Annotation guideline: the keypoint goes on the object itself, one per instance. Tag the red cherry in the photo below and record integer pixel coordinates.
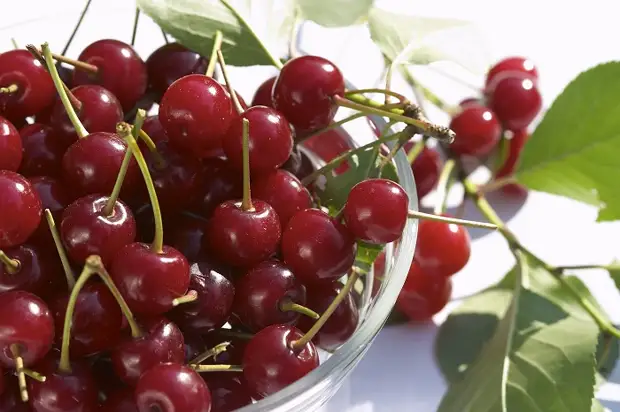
(284, 192)
(10, 399)
(299, 164)
(423, 294)
(443, 249)
(21, 209)
(477, 131)
(228, 393)
(516, 101)
(511, 65)
(220, 184)
(169, 63)
(515, 147)
(121, 400)
(185, 233)
(54, 196)
(262, 96)
(39, 271)
(425, 168)
(172, 387)
(329, 145)
(10, 146)
(316, 247)
(43, 151)
(271, 364)
(242, 102)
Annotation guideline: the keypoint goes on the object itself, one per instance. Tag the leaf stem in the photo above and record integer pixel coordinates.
(231, 91)
(64, 260)
(11, 266)
(443, 185)
(134, 32)
(76, 28)
(289, 306)
(462, 222)
(217, 45)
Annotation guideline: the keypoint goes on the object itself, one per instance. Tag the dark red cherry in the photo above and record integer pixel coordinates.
(10, 400)
(34, 89)
(54, 196)
(169, 63)
(516, 100)
(510, 65)
(299, 164)
(423, 294)
(425, 168)
(39, 271)
(21, 209)
(243, 238)
(212, 307)
(99, 111)
(262, 96)
(228, 393)
(477, 129)
(87, 230)
(284, 192)
(27, 324)
(442, 249)
(270, 140)
(74, 391)
(121, 400)
(185, 233)
(96, 323)
(376, 211)
(242, 103)
(43, 151)
(316, 247)
(170, 388)
(220, 184)
(152, 126)
(196, 112)
(10, 146)
(304, 92)
(150, 281)
(120, 70)
(271, 364)
(2, 382)
(162, 342)
(92, 164)
(194, 344)
(329, 145)
(107, 381)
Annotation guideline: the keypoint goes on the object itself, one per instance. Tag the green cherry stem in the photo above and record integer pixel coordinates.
(415, 151)
(11, 266)
(165, 36)
(231, 91)
(190, 296)
(497, 184)
(34, 375)
(216, 368)
(134, 32)
(246, 202)
(288, 305)
(210, 353)
(14, 43)
(330, 127)
(611, 267)
(462, 222)
(20, 371)
(9, 89)
(217, 45)
(160, 162)
(76, 28)
(60, 249)
(443, 185)
(400, 97)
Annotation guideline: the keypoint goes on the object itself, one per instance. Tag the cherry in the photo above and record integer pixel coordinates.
(509, 66)
(152, 126)
(10, 146)
(270, 363)
(425, 168)
(304, 90)
(10, 400)
(26, 86)
(330, 144)
(38, 270)
(119, 69)
(186, 234)
(242, 103)
(21, 209)
(172, 387)
(196, 112)
(469, 100)
(423, 294)
(316, 247)
(299, 164)
(169, 63)
(262, 96)
(442, 248)
(516, 101)
(284, 192)
(121, 400)
(162, 342)
(194, 344)
(220, 184)
(515, 146)
(376, 211)
(86, 229)
(213, 305)
(228, 393)
(43, 151)
(54, 197)
(2, 383)
(477, 131)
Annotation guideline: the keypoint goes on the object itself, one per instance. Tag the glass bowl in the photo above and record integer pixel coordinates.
(47, 22)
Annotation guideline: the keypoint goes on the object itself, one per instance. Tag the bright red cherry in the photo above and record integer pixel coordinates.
(54, 196)
(170, 388)
(169, 63)
(477, 129)
(220, 184)
(516, 101)
(262, 96)
(425, 168)
(270, 362)
(21, 209)
(509, 66)
(43, 151)
(284, 192)
(228, 393)
(423, 294)
(121, 400)
(329, 145)
(316, 247)
(442, 249)
(10, 146)
(39, 271)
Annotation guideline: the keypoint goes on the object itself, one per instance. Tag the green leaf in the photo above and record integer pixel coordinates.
(573, 151)
(194, 23)
(597, 406)
(335, 13)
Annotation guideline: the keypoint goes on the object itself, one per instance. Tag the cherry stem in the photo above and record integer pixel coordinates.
(210, 353)
(497, 184)
(191, 296)
(19, 369)
(62, 254)
(610, 267)
(9, 89)
(231, 91)
(163, 33)
(217, 45)
(34, 375)
(160, 162)
(407, 134)
(415, 151)
(299, 344)
(289, 306)
(330, 127)
(442, 187)
(402, 99)
(78, 64)
(11, 265)
(246, 202)
(135, 27)
(76, 28)
(461, 222)
(235, 334)
(14, 43)
(217, 368)
(75, 120)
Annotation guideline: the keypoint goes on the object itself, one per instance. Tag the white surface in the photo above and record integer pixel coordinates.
(399, 373)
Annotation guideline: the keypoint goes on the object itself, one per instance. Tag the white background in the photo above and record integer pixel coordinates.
(399, 373)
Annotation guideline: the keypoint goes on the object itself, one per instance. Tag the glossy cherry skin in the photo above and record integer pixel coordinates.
(172, 387)
(21, 209)
(376, 211)
(423, 294)
(477, 129)
(515, 147)
(35, 89)
(516, 101)
(509, 66)
(316, 247)
(219, 185)
(284, 192)
(228, 393)
(120, 70)
(10, 399)
(25, 321)
(39, 271)
(262, 96)
(329, 145)
(269, 363)
(185, 233)
(100, 111)
(54, 196)
(299, 164)
(425, 168)
(74, 391)
(10, 146)
(340, 325)
(243, 238)
(42, 149)
(162, 342)
(150, 281)
(212, 308)
(442, 248)
(121, 400)
(152, 126)
(86, 230)
(196, 112)
(169, 63)
(304, 92)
